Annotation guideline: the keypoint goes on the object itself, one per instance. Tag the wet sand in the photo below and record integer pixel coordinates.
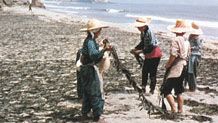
(38, 74)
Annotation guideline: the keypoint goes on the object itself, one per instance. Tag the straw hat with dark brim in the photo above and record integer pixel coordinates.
(93, 24)
(196, 30)
(140, 22)
(180, 27)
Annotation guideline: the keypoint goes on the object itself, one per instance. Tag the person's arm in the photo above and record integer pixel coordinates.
(140, 46)
(150, 37)
(199, 42)
(198, 45)
(174, 49)
(170, 61)
(138, 49)
(78, 54)
(94, 53)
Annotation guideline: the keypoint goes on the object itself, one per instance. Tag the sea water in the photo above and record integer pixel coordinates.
(162, 12)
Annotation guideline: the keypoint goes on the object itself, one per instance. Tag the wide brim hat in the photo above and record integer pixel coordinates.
(140, 22)
(93, 24)
(180, 27)
(196, 30)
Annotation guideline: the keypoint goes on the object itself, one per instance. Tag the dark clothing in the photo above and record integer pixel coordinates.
(79, 85)
(96, 103)
(79, 81)
(92, 96)
(175, 83)
(78, 54)
(148, 44)
(90, 51)
(150, 67)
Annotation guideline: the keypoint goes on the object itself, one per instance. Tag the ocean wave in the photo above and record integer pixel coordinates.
(114, 10)
(211, 24)
(74, 1)
(104, 1)
(64, 11)
(68, 7)
(98, 1)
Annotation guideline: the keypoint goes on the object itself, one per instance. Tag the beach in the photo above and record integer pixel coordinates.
(38, 72)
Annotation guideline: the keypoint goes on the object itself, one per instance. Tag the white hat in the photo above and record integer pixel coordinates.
(93, 24)
(140, 22)
(180, 27)
(196, 30)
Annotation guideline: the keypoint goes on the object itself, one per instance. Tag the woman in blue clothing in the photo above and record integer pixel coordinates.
(193, 62)
(91, 85)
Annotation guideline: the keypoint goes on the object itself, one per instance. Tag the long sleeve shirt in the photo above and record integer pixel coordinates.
(149, 46)
(196, 45)
(179, 48)
(91, 51)
(148, 41)
(91, 55)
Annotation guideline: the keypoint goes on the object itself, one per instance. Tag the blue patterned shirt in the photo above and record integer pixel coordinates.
(148, 41)
(91, 51)
(196, 45)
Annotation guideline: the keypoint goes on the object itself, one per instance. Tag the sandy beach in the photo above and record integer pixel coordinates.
(38, 72)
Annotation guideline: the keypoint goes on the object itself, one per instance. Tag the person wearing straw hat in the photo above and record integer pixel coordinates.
(92, 86)
(193, 62)
(152, 53)
(176, 65)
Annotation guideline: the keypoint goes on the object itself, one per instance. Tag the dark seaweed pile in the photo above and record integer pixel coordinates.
(38, 74)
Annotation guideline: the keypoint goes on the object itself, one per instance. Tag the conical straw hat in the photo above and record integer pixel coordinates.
(93, 24)
(180, 27)
(196, 29)
(140, 22)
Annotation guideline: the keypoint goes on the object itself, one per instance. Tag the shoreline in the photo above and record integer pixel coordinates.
(61, 16)
(50, 16)
(128, 12)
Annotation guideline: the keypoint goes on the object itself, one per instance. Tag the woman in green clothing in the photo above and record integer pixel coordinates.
(92, 87)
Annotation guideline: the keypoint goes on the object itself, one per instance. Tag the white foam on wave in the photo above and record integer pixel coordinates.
(52, 2)
(114, 10)
(211, 24)
(104, 1)
(64, 11)
(68, 7)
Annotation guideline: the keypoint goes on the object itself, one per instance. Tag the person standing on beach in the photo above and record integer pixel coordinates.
(152, 53)
(103, 65)
(193, 62)
(176, 65)
(92, 86)
(30, 5)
